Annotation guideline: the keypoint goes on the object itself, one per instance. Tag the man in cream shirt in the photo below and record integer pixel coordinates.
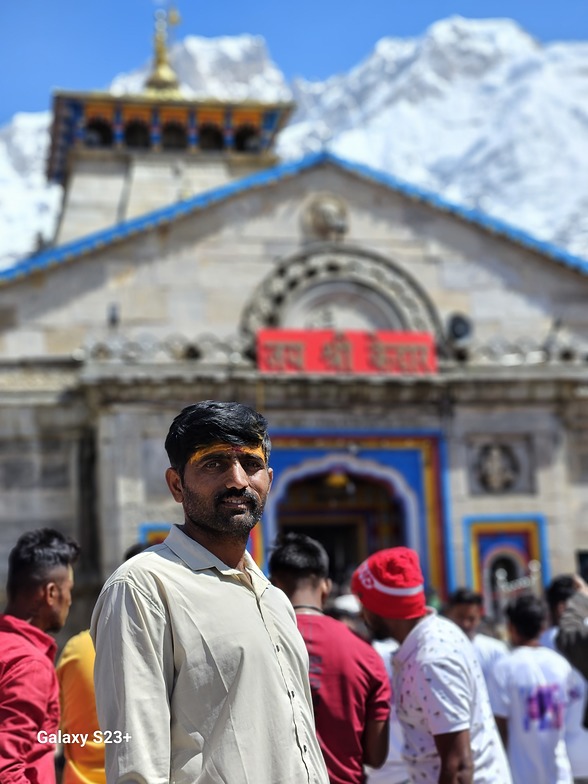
(199, 664)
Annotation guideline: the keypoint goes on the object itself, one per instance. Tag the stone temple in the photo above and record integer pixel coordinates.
(424, 368)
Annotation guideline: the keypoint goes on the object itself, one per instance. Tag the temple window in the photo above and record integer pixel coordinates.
(174, 136)
(98, 133)
(137, 135)
(247, 139)
(211, 137)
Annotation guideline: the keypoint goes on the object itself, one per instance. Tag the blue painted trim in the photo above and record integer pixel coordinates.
(350, 431)
(166, 215)
(270, 120)
(447, 531)
(467, 543)
(545, 563)
(540, 519)
(445, 509)
(144, 529)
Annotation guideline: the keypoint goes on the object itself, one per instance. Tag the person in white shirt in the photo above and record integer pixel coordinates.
(439, 691)
(394, 770)
(466, 608)
(557, 593)
(529, 691)
(201, 674)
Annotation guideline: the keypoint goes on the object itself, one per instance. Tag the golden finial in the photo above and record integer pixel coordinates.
(163, 78)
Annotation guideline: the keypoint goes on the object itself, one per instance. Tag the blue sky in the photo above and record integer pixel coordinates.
(81, 45)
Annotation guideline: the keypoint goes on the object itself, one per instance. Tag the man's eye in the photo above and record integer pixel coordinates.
(253, 465)
(212, 464)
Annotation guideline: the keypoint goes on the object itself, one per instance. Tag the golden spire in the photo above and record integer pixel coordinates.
(163, 78)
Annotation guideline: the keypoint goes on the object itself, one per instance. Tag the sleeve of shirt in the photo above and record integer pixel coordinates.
(22, 715)
(380, 697)
(444, 694)
(133, 677)
(499, 690)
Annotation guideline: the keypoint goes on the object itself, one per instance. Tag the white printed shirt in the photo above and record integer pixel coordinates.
(488, 651)
(575, 733)
(439, 688)
(530, 688)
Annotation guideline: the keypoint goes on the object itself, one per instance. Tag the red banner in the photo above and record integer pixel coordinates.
(326, 351)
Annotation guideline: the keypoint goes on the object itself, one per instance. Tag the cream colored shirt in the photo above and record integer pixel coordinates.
(204, 670)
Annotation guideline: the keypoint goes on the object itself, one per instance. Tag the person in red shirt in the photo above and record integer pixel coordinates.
(40, 579)
(348, 681)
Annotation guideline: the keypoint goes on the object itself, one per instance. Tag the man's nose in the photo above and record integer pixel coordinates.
(237, 476)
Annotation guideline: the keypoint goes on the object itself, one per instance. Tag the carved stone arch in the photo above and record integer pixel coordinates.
(390, 297)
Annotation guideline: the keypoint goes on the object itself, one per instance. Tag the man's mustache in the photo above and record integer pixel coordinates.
(246, 495)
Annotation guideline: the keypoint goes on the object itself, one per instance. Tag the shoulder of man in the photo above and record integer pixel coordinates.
(77, 647)
(136, 581)
(488, 643)
(20, 641)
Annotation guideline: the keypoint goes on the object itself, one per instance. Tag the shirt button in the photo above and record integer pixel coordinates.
(304, 749)
(277, 648)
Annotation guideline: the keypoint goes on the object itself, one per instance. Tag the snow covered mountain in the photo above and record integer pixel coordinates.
(475, 110)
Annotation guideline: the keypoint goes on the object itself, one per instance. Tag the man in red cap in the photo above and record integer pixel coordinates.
(439, 691)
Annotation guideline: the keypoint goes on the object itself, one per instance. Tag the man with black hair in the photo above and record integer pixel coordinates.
(572, 638)
(557, 594)
(199, 664)
(466, 608)
(350, 688)
(40, 580)
(530, 692)
(439, 692)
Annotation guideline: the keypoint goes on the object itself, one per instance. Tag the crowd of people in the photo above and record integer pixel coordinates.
(200, 669)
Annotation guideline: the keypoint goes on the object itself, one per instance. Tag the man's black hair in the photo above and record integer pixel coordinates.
(559, 590)
(527, 614)
(465, 596)
(212, 421)
(297, 557)
(34, 557)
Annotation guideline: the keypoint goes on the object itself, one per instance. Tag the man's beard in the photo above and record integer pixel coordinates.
(220, 522)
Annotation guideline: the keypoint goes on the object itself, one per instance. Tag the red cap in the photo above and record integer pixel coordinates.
(390, 584)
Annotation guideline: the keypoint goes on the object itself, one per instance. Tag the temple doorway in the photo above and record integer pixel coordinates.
(351, 515)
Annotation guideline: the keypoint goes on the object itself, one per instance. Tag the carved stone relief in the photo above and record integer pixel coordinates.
(499, 465)
(325, 217)
(331, 286)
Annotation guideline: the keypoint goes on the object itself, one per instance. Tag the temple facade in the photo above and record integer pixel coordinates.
(422, 367)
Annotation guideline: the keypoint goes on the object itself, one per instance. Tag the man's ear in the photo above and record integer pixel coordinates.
(175, 484)
(49, 593)
(270, 472)
(326, 588)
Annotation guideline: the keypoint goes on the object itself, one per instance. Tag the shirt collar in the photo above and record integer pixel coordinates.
(199, 558)
(39, 638)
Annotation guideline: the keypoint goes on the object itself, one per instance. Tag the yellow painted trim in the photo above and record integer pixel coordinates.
(137, 113)
(210, 116)
(246, 118)
(103, 110)
(435, 545)
(173, 115)
(500, 527)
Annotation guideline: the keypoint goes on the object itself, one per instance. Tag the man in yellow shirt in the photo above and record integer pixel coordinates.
(84, 759)
(84, 755)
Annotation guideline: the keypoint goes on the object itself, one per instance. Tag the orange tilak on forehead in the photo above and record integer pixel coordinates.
(226, 449)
